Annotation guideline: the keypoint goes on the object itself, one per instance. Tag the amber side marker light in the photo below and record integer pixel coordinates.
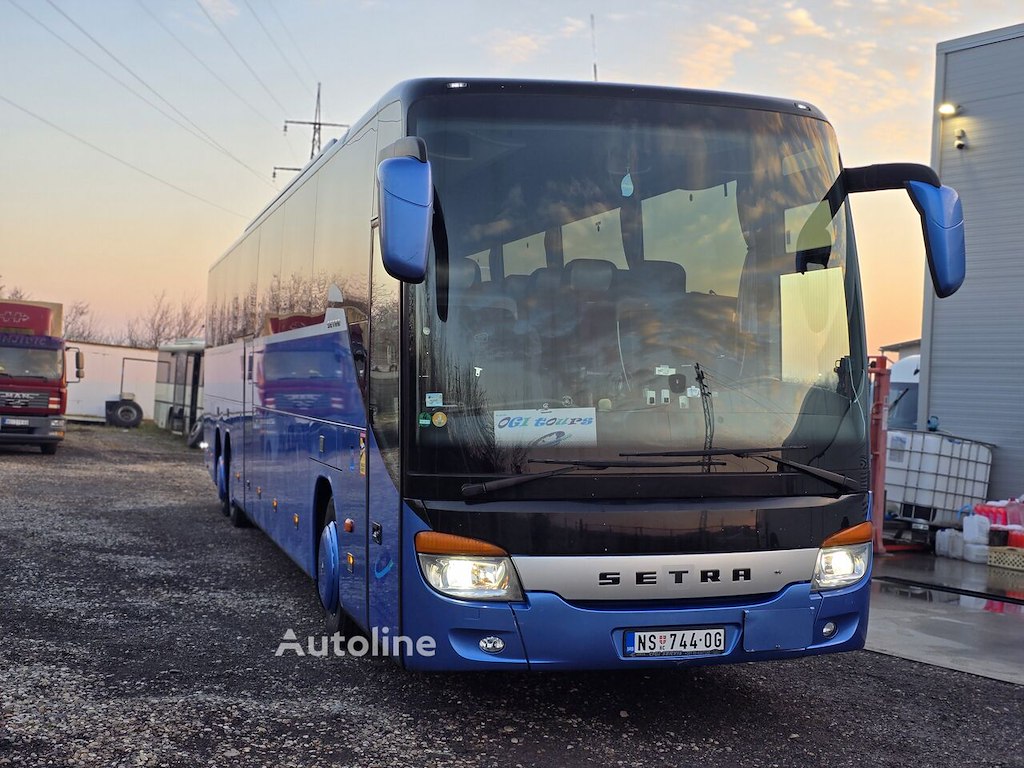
(434, 543)
(858, 534)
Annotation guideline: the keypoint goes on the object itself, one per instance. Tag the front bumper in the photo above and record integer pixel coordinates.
(31, 430)
(545, 632)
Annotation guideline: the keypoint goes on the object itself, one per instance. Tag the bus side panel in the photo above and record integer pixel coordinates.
(385, 551)
(350, 504)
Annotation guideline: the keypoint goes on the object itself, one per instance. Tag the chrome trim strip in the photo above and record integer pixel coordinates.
(663, 577)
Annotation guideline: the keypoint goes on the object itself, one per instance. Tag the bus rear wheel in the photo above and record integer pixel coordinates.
(223, 489)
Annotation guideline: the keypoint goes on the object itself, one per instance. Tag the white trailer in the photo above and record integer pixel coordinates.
(120, 381)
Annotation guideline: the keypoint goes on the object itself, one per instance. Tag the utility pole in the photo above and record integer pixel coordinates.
(317, 124)
(593, 44)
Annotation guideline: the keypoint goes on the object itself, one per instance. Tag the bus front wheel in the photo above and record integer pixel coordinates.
(328, 571)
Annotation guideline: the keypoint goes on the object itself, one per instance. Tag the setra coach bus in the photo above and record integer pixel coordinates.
(563, 375)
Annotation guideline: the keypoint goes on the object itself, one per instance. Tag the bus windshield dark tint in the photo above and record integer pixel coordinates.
(630, 275)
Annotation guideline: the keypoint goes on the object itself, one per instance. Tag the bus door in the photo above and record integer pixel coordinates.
(385, 469)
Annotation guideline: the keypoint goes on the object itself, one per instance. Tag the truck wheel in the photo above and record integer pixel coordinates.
(49, 448)
(126, 414)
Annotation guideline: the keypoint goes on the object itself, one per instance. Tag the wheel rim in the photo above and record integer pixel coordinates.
(327, 567)
(222, 479)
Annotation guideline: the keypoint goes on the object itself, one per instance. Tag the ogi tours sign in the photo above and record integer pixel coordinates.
(546, 427)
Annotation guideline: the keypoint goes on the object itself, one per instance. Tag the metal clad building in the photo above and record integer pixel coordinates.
(972, 375)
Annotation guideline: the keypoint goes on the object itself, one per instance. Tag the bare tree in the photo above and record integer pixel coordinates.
(164, 322)
(14, 293)
(188, 317)
(80, 324)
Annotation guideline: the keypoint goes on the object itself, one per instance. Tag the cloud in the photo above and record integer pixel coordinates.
(220, 10)
(741, 25)
(803, 24)
(709, 60)
(572, 27)
(863, 52)
(513, 47)
(921, 15)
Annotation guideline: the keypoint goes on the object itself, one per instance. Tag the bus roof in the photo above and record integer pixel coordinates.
(411, 90)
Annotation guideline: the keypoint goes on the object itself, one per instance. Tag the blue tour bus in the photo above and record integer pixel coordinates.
(563, 375)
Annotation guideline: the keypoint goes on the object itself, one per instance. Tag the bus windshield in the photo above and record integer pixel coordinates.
(615, 277)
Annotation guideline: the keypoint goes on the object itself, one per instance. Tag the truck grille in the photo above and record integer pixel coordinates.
(24, 400)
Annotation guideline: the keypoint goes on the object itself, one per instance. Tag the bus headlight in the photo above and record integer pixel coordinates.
(841, 566)
(844, 557)
(466, 568)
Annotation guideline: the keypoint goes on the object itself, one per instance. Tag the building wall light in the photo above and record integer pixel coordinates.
(948, 109)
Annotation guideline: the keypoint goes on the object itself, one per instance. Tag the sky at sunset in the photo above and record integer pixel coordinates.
(139, 136)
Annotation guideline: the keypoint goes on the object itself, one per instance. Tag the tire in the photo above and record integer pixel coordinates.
(195, 436)
(336, 621)
(224, 485)
(49, 448)
(237, 516)
(126, 414)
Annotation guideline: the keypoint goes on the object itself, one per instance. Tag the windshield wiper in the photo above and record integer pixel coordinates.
(713, 451)
(606, 463)
(841, 482)
(478, 489)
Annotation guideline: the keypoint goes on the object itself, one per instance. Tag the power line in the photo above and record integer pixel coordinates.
(197, 132)
(317, 124)
(213, 142)
(204, 65)
(240, 56)
(298, 48)
(119, 160)
(273, 42)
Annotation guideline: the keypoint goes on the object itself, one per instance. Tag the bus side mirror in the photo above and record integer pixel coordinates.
(942, 216)
(942, 223)
(406, 212)
(80, 364)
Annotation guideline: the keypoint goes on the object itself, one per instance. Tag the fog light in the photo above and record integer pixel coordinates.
(492, 645)
(829, 629)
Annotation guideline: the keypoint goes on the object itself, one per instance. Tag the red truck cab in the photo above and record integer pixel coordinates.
(33, 380)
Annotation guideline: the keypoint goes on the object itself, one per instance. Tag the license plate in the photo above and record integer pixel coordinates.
(15, 422)
(675, 642)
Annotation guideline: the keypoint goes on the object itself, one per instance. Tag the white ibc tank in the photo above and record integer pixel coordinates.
(928, 469)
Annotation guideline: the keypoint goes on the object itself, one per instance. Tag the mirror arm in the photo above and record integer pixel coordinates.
(870, 178)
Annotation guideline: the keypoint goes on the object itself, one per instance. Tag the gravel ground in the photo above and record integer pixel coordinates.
(138, 628)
